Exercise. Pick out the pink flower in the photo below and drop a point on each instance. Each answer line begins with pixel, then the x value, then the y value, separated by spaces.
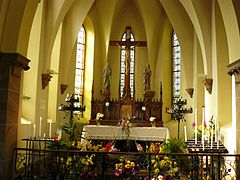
pixel 193 124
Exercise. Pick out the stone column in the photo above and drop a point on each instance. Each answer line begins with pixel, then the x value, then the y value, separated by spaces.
pixel 235 70
pixel 11 66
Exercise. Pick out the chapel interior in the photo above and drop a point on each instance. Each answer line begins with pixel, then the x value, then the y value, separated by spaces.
pixel 51 49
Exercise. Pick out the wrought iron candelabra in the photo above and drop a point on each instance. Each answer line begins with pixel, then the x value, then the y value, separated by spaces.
pixel 178 111
pixel 73 105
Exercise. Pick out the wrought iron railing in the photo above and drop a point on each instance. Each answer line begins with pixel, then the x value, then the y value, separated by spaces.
pixel 74 164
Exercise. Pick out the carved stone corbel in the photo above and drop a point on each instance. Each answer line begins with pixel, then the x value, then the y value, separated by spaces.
pixel 208 84
pixel 46 78
pixel 190 91
pixel 63 88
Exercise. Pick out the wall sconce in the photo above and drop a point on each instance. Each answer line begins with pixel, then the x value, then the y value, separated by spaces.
pixel 208 84
pixel 63 88
pixel 190 91
pixel 46 78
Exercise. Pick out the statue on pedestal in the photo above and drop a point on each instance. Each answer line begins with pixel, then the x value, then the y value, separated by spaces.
pixel 147 77
pixel 106 76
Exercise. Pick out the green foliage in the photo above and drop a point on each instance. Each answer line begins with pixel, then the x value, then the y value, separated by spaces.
pixel 174 145
pixel 73 129
pixel 59 145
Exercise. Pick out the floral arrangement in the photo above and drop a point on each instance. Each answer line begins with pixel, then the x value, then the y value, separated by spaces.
pixel 154 147
pixel 92 147
pixel 99 118
pixel 152 121
pixel 209 129
pixel 125 168
pixel 199 130
pixel 85 164
pixel 126 126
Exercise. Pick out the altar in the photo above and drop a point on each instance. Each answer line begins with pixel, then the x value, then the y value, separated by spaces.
pixel 102 132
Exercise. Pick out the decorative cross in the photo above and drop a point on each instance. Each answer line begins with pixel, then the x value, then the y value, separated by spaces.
pixel 127 44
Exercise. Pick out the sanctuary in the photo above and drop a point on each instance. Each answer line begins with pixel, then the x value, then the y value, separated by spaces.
pixel 127 106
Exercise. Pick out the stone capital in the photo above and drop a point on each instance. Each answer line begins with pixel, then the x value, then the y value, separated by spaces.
pixel 234 69
pixel 14 62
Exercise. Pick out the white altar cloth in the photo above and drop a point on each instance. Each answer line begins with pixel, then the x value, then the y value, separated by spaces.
pixel 115 133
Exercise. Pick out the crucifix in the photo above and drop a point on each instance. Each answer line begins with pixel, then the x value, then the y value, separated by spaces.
pixel 127 44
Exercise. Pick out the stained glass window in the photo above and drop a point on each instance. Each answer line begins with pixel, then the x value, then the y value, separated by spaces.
pixel 176 62
pixel 80 63
pixel 122 66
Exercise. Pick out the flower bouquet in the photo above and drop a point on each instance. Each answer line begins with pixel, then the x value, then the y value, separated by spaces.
pixel 125 168
pixel 125 125
pixel 99 117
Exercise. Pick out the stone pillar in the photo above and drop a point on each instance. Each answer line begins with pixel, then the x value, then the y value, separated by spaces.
pixel 11 66
pixel 235 70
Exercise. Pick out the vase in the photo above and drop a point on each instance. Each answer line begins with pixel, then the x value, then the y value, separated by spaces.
pixel 97 123
pixel 153 124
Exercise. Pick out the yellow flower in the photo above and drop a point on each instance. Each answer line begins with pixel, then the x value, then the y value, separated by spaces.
pixel 153 161
pixel 132 164
pixel 69 161
pixel 127 166
pixel 156 171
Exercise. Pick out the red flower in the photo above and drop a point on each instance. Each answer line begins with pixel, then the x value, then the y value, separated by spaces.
pixel 108 147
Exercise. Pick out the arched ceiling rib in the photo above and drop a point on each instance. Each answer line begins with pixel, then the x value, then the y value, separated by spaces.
pixel 232 29
pixel 203 33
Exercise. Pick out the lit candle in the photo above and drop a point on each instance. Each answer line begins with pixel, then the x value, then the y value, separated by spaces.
pixel 34 130
pixel 211 138
pixel 217 138
pixel 215 128
pixel 40 127
pixel 203 122
pixel 50 128
pixel 195 120
pixel 29 129
pixel 185 133
pixel 203 145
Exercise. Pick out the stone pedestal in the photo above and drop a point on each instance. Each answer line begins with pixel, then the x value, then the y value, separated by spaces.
pixel 11 65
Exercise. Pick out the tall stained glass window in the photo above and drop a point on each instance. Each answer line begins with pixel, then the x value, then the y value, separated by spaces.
pixel 122 65
pixel 176 62
pixel 80 64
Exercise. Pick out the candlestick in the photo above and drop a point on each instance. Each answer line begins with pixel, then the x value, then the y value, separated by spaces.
pixel 34 130
pixel 50 128
pixel 195 120
pixel 185 133
pixel 40 127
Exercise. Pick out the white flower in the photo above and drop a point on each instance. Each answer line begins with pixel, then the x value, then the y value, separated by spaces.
pixel 152 119
pixel 144 108
pixel 107 104
pixel 99 116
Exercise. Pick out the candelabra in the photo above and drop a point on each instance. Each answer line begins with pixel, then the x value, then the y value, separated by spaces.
pixel 178 111
pixel 73 105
